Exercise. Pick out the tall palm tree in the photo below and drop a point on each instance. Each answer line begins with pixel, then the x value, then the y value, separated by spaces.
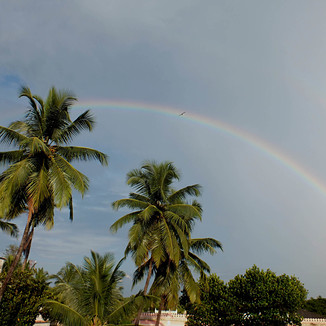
pixel 91 294
pixel 40 176
pixel 161 218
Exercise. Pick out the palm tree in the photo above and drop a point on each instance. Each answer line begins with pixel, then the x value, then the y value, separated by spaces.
pixel 162 220
pixel 91 294
pixel 40 176
pixel 171 277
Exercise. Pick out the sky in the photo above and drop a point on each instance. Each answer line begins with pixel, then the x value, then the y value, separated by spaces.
pixel 251 77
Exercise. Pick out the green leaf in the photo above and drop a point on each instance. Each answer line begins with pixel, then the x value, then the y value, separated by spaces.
pixel 71 153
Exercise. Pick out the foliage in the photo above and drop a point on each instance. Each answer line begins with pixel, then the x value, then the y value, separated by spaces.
pixel 256 298
pixel 39 170
pixel 262 298
pixel 23 299
pixel 317 305
pixel 159 213
pixel 160 236
pixel 91 294
pixel 9 228
pixel 11 250
pixel 40 176
pixel 215 307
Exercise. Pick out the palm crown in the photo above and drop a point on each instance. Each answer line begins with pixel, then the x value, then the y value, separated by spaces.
pixel 40 169
pixel 91 294
pixel 161 218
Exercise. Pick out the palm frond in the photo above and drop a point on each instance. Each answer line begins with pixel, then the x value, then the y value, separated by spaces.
pixel 137 180
pixel 59 183
pixel 149 212
pixel 13 179
pixel 130 307
pixel 11 156
pixel 40 101
pixel 140 272
pixel 140 243
pixel 130 203
pixel 38 187
pixel 35 145
pixel 185 210
pixel 77 179
pixel 124 220
pixel 33 116
pixel 84 122
pixel 182 233
pixel 78 153
pixel 202 245
pixel 166 238
pixel 189 283
pixel 198 264
pixel 65 314
pixel 16 205
pixel 181 194
pixel 177 220
pixel 45 212
pixel 21 126
pixel 143 198
pixel 56 112
pixel 9 228
pixel 10 136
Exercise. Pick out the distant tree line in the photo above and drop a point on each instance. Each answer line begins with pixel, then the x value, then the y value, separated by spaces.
pixel 317 305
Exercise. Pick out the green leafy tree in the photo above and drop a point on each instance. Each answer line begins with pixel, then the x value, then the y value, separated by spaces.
pixel 23 300
pixel 263 298
pixel 215 307
pixel 256 298
pixel 91 294
pixel 317 305
pixel 40 176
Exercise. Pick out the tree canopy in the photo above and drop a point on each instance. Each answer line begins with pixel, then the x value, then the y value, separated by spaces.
pixel 317 305
pixel 25 294
pixel 257 297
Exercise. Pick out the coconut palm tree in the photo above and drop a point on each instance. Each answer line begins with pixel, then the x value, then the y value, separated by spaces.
pixel 91 295
pixel 40 176
pixel 162 220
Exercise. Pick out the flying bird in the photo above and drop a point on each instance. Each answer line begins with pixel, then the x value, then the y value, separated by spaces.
pixel 182 113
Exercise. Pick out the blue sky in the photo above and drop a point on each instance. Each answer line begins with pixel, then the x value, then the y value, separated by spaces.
pixel 256 65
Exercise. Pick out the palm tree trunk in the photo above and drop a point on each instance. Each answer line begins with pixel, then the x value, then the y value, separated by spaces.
pixel 27 246
pixel 20 250
pixel 158 318
pixel 150 269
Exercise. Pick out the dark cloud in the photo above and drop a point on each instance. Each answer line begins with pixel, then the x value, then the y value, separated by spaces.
pixel 257 65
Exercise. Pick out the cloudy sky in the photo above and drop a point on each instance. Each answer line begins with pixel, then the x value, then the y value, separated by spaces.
pixel 251 77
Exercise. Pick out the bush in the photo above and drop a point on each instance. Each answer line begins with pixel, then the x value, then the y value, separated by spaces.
pixel 23 297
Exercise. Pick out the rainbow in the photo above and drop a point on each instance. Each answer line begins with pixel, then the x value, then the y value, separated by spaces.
pixel 263 146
